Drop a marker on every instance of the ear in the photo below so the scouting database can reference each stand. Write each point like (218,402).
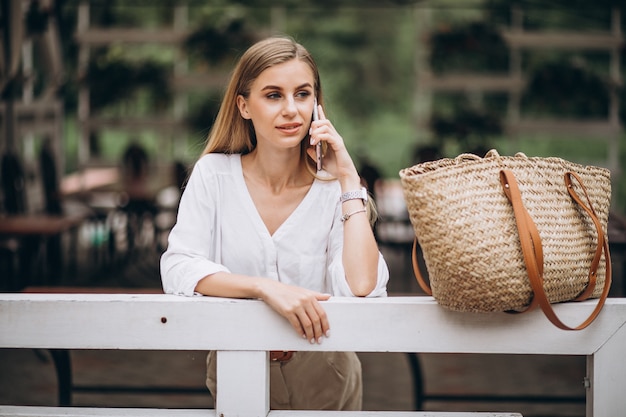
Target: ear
(242,105)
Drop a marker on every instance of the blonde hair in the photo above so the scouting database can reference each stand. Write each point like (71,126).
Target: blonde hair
(231,133)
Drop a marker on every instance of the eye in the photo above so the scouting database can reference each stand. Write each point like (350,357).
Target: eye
(273,96)
(303,94)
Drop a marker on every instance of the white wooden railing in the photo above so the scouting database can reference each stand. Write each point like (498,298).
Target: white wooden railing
(242,331)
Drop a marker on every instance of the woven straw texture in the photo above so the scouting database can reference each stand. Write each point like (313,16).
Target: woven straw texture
(467,231)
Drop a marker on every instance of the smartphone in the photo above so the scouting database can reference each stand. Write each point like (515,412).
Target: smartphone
(318,147)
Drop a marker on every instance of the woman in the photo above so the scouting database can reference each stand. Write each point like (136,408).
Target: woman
(257,221)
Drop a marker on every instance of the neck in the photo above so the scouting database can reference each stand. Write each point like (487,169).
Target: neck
(277,171)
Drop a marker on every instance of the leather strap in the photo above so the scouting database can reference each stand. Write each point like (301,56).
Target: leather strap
(416,270)
(281,355)
(533,257)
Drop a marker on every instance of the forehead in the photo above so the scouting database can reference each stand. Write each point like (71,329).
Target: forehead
(292,73)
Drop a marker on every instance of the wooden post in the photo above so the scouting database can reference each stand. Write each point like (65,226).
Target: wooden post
(606,377)
(242,375)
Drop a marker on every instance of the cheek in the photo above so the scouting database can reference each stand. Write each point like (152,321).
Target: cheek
(265,114)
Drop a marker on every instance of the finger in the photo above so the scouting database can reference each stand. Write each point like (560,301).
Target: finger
(322,296)
(324,325)
(319,319)
(322,313)
(316,324)
(307,326)
(295,323)
(320,111)
(315,132)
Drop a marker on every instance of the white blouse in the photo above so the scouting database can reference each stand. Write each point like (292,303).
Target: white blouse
(219,229)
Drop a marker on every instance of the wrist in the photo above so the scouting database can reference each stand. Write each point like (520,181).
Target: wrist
(356,194)
(259,288)
(350,182)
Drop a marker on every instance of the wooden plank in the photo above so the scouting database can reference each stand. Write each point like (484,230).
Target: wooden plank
(394,324)
(602,128)
(36,411)
(137,123)
(471,82)
(563,40)
(232,385)
(243,330)
(39,127)
(39,224)
(37,108)
(193,82)
(605,376)
(33,411)
(283,413)
(96,37)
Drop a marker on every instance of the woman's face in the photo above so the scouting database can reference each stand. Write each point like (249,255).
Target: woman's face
(280,104)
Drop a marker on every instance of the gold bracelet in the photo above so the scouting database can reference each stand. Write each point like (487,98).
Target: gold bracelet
(348,215)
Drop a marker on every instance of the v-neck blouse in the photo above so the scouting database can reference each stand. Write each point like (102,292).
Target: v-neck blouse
(218,228)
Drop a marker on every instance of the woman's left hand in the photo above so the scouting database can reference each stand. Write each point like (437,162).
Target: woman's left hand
(336,160)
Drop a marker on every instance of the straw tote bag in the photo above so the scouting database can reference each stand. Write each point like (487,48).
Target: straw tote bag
(504,233)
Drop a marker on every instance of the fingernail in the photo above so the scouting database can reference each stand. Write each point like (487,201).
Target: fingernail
(312,341)
(311,140)
(319,340)
(327,334)
(303,336)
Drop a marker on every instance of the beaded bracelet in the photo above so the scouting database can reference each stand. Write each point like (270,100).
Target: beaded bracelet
(348,215)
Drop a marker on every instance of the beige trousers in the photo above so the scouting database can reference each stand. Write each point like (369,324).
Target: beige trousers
(310,381)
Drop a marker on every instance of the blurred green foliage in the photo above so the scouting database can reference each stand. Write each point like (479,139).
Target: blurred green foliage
(369,53)
(472,47)
(562,89)
(113,79)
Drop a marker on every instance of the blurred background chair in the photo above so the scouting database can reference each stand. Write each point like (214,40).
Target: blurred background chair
(14,202)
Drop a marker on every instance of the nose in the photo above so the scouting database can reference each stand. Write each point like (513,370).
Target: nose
(289,106)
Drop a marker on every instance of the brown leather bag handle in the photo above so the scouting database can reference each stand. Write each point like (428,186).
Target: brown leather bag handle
(533,257)
(416,270)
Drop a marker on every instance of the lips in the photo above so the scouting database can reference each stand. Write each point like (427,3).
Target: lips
(290,128)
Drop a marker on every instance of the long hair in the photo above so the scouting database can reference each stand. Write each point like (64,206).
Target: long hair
(231,133)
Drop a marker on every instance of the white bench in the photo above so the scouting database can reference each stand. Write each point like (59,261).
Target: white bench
(242,331)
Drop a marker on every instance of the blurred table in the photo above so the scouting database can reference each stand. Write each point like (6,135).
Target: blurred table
(38,224)
(39,235)
(89,179)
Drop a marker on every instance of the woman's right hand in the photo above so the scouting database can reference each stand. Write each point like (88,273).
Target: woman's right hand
(300,306)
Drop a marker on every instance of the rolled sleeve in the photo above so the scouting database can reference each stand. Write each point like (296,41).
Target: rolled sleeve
(191,251)
(183,274)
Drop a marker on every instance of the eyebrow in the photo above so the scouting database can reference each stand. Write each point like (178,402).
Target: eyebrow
(275,87)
